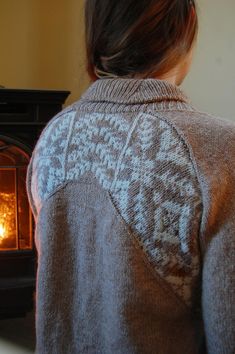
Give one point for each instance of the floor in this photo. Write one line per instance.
(17, 336)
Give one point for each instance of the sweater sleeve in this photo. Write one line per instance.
(218, 294)
(213, 149)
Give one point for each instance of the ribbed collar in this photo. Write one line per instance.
(136, 92)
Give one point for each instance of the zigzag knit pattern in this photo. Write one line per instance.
(146, 167)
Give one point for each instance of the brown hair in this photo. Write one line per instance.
(130, 37)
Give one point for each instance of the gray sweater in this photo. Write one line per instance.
(133, 193)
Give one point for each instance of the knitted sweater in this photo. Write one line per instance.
(133, 193)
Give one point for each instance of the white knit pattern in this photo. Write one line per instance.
(146, 167)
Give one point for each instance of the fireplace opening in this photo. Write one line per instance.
(23, 115)
(17, 255)
(15, 215)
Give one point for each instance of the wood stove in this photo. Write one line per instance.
(23, 114)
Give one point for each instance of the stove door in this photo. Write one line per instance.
(17, 256)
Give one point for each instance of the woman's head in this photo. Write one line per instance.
(138, 38)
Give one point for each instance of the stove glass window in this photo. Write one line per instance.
(15, 215)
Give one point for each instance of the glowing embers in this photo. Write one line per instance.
(7, 221)
(15, 215)
(2, 231)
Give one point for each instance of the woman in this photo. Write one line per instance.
(133, 193)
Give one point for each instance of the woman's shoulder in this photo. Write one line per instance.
(213, 123)
(205, 132)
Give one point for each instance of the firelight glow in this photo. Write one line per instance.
(2, 232)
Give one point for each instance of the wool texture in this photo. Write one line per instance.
(132, 190)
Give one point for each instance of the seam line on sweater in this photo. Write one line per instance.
(187, 109)
(194, 164)
(71, 125)
(138, 244)
(134, 239)
(123, 151)
(59, 187)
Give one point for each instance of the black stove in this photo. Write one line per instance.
(23, 115)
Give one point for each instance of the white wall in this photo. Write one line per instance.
(211, 82)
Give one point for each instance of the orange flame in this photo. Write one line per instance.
(2, 232)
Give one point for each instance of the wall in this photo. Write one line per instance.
(211, 82)
(41, 43)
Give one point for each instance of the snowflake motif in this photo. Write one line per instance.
(146, 167)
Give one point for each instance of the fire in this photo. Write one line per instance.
(7, 221)
(2, 232)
